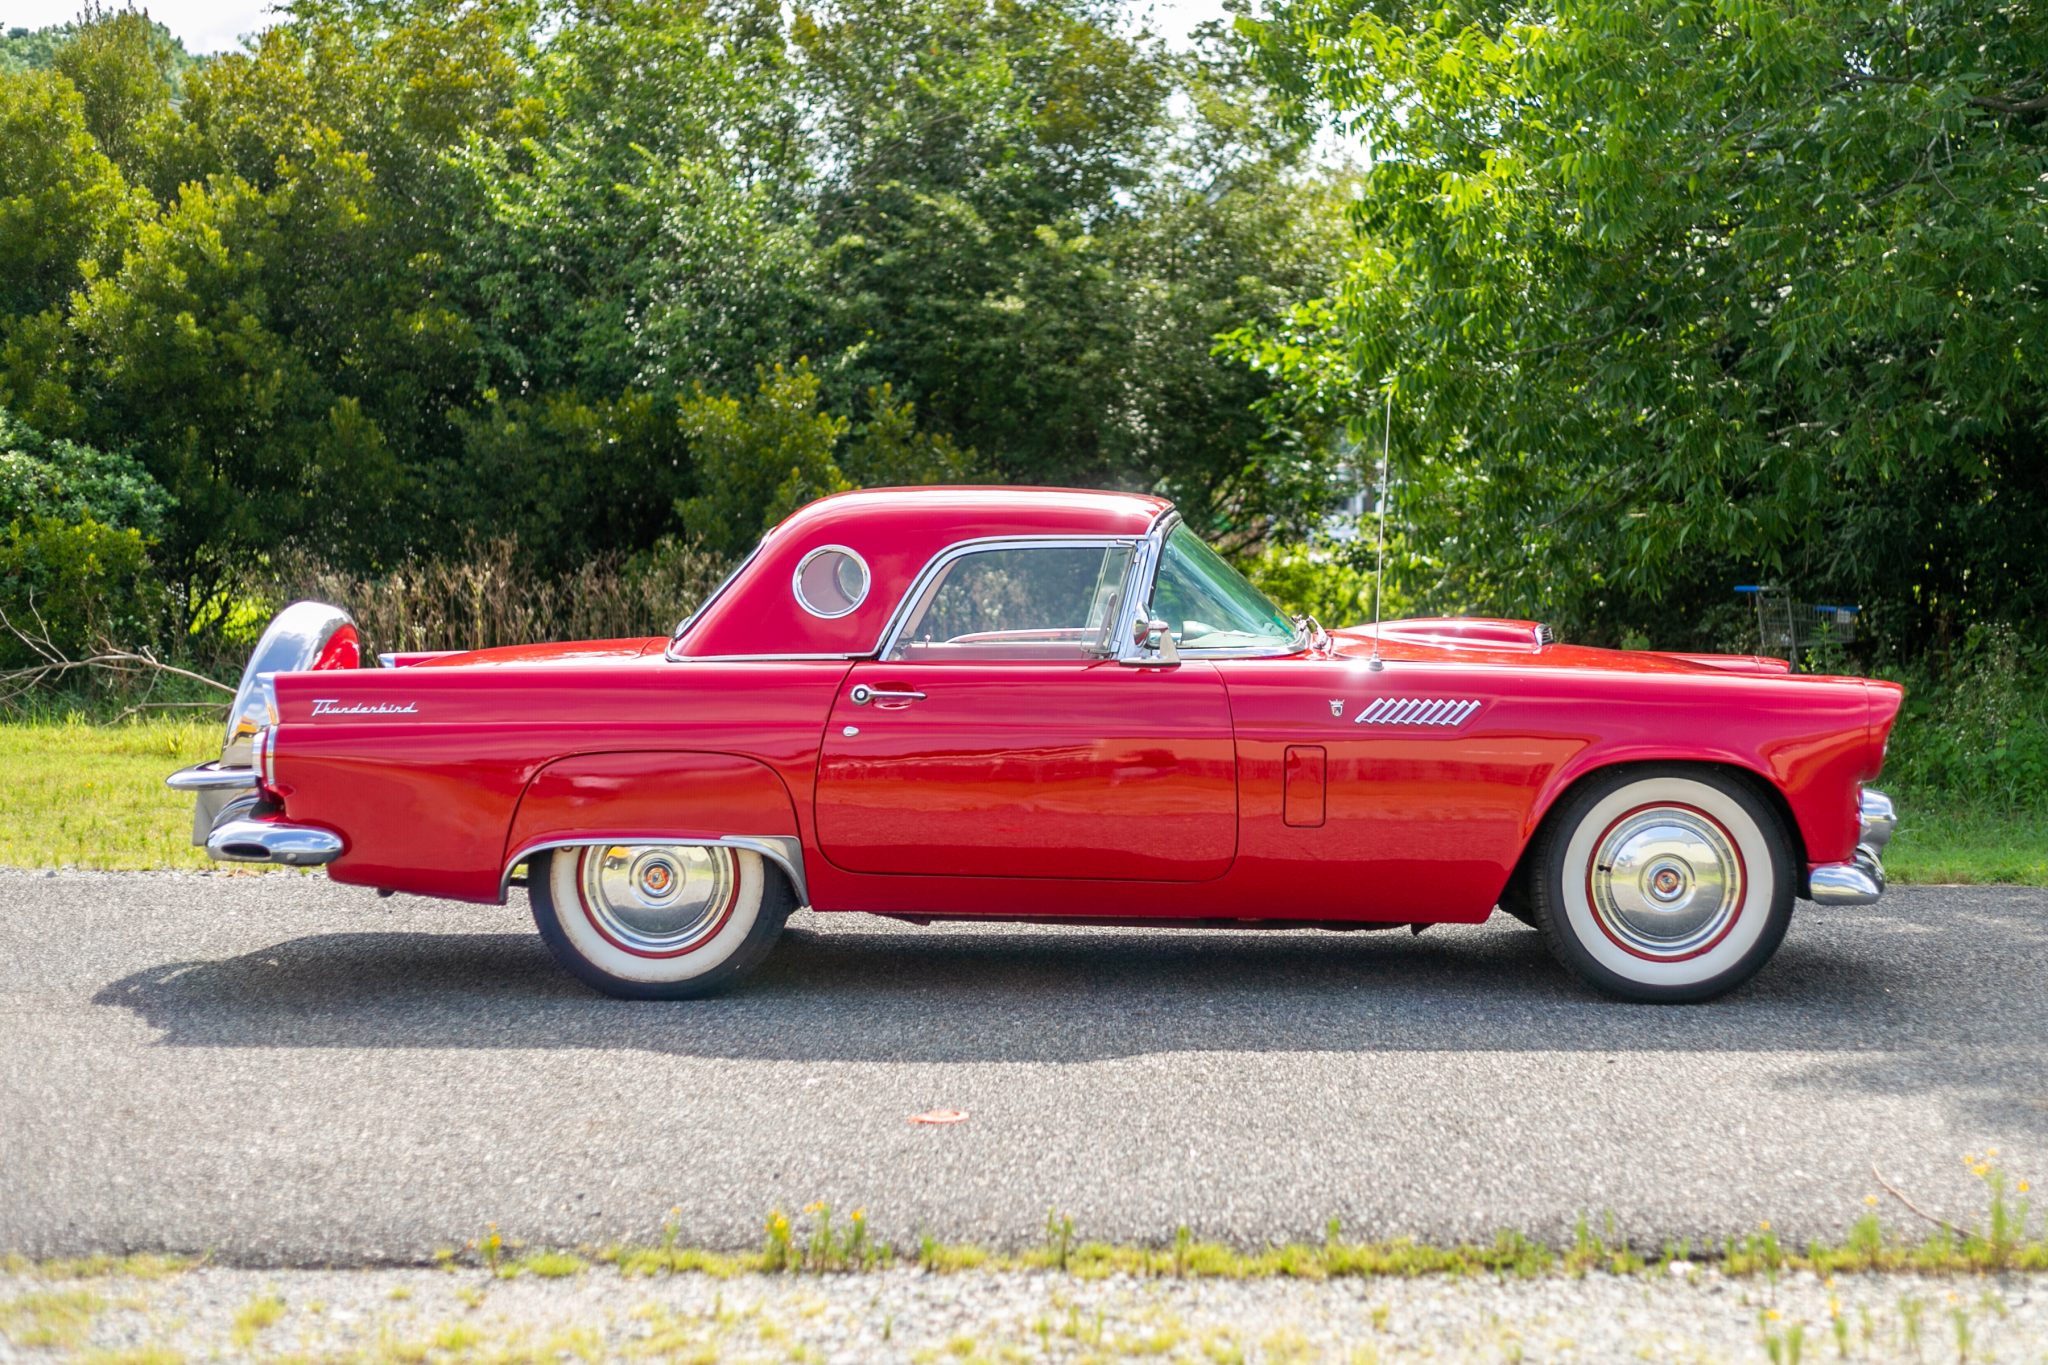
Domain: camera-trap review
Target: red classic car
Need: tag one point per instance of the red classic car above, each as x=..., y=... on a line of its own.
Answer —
x=1037, y=704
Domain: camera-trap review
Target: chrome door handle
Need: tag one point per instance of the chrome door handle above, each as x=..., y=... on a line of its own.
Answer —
x=862, y=694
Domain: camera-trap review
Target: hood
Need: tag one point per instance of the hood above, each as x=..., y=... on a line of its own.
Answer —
x=1490, y=640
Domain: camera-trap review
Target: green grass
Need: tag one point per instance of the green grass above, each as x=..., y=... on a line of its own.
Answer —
x=1959, y=843
x=84, y=795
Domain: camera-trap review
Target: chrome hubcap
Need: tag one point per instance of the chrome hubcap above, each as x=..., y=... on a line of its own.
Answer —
x=1666, y=881
x=658, y=899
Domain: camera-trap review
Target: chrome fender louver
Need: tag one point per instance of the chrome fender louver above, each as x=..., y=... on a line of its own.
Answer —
x=1448, y=712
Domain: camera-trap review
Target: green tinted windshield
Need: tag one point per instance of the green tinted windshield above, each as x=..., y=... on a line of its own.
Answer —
x=1209, y=605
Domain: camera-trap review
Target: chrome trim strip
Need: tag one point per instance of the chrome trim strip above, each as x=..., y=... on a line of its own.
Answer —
x=210, y=776
x=899, y=619
x=759, y=658
x=272, y=841
x=796, y=581
x=1877, y=819
x=1857, y=882
x=787, y=852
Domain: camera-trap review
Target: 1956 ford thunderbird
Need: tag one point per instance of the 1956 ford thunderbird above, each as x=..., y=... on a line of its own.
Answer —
x=1037, y=704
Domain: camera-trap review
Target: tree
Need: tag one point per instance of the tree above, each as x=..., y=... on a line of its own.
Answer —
x=1675, y=295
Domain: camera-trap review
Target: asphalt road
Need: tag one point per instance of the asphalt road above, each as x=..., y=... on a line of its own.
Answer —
x=282, y=1071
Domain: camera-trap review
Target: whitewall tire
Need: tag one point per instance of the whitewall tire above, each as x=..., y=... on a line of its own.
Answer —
x=658, y=921
x=1663, y=883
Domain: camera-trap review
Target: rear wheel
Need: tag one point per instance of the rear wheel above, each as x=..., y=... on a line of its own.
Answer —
x=1663, y=884
x=658, y=921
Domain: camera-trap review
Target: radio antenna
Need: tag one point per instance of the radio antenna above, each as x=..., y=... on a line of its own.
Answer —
x=1379, y=576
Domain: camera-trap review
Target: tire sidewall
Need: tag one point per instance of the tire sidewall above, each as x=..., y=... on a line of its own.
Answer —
x=750, y=928
x=1761, y=918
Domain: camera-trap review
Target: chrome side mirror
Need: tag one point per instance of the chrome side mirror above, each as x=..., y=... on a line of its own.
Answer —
x=1156, y=637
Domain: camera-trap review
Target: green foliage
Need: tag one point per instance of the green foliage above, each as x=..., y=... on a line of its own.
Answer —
x=62, y=479
x=759, y=458
x=64, y=208
x=1318, y=580
x=1674, y=295
x=72, y=584
x=404, y=276
x=1978, y=732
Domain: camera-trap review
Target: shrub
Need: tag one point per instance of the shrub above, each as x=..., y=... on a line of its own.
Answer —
x=1977, y=730
x=75, y=583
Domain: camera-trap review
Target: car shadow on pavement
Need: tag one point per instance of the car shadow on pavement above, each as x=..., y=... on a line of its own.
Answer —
x=1004, y=993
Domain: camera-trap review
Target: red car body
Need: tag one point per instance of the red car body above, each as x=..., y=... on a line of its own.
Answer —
x=1285, y=787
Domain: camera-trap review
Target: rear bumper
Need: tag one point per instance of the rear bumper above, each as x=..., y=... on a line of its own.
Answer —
x=226, y=825
x=1860, y=881
x=273, y=841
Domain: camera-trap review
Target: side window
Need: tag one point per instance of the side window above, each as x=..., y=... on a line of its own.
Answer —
x=1019, y=602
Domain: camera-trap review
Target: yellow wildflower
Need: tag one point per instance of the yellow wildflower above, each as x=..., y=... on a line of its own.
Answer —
x=1870, y=1199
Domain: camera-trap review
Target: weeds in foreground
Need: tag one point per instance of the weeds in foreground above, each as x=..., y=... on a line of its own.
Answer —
x=57, y=1318
x=254, y=1316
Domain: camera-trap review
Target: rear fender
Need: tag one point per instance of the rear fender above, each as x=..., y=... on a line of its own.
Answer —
x=653, y=796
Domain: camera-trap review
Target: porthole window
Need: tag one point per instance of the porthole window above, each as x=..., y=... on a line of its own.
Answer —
x=830, y=581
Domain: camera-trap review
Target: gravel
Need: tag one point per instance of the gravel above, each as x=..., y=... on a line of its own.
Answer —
x=279, y=1071
x=1694, y=1315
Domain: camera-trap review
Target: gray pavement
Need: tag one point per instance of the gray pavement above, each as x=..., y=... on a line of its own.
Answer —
x=278, y=1070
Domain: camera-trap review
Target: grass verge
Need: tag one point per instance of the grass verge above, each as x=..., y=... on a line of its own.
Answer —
x=81, y=795
x=2009, y=1237
x=93, y=796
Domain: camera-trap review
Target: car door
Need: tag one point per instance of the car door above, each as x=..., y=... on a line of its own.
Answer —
x=993, y=738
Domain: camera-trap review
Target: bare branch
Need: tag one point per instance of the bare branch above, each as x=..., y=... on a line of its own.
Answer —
x=55, y=664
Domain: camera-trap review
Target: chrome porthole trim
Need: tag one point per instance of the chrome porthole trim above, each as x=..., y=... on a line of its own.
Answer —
x=1666, y=882
x=796, y=582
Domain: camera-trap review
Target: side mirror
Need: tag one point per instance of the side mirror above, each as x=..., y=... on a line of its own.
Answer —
x=1156, y=636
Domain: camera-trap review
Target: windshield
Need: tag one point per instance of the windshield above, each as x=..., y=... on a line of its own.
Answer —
x=1209, y=605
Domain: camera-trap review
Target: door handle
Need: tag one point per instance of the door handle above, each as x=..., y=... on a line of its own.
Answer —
x=862, y=694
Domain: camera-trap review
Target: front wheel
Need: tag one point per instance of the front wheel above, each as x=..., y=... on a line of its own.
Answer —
x=1663, y=884
x=658, y=921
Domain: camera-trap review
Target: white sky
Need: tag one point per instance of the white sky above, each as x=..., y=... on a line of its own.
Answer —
x=218, y=25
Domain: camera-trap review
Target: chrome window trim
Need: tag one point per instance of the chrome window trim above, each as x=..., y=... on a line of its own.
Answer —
x=796, y=581
x=675, y=637
x=1146, y=563
x=900, y=618
x=784, y=850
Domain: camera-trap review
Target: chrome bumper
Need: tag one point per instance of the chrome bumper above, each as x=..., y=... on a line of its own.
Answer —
x=273, y=841
x=222, y=821
x=1860, y=881
x=219, y=794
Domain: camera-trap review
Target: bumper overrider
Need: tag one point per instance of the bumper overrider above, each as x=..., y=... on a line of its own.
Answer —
x=1859, y=881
